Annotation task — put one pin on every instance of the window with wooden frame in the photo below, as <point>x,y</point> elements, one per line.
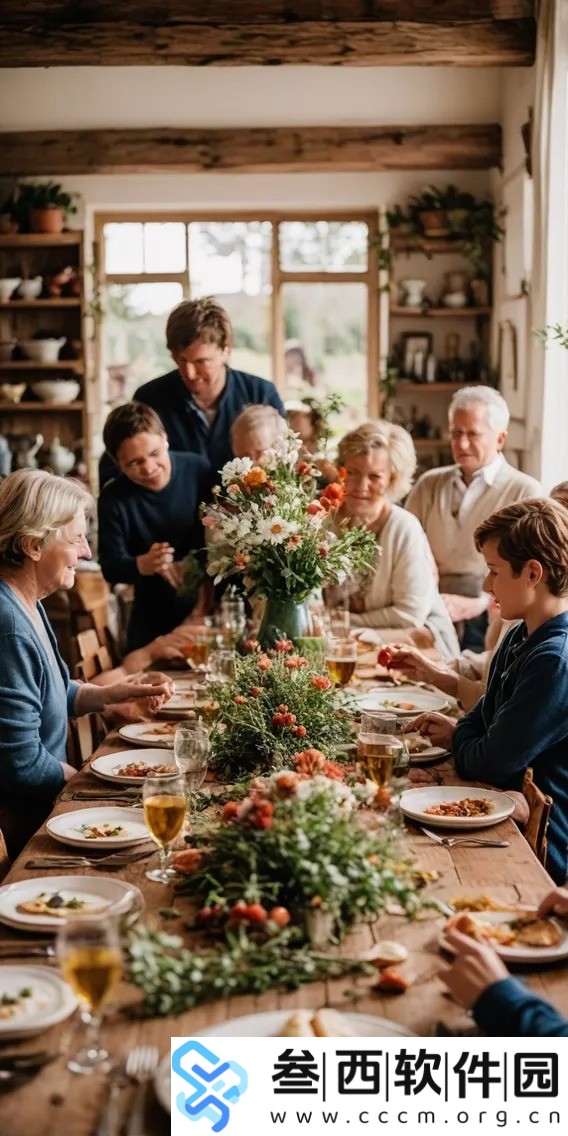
<point>300,289</point>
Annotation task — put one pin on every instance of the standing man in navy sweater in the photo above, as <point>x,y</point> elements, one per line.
<point>199,401</point>
<point>522,719</point>
<point>149,519</point>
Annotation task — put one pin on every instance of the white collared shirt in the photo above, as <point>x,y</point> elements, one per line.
<point>464,497</point>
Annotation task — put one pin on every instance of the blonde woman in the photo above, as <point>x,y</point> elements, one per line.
<point>380,461</point>
<point>42,538</point>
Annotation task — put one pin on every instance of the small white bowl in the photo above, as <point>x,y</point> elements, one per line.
<point>30,289</point>
<point>8,285</point>
<point>42,350</point>
<point>56,390</point>
<point>454,300</point>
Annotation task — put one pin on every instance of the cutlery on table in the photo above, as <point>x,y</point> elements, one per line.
<point>115,860</point>
<point>108,1123</point>
<point>141,1064</point>
<point>32,949</point>
<point>449,841</point>
<point>127,798</point>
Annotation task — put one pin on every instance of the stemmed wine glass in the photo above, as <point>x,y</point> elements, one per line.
<point>191,752</point>
<point>91,962</point>
<point>165,802</point>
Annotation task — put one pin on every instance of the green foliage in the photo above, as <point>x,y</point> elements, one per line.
<point>316,851</point>
<point>552,333</point>
<point>193,577</point>
<point>40,195</point>
<point>175,978</point>
<point>244,739</point>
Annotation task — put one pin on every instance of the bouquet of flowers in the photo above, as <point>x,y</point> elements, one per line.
<point>297,843</point>
<point>276,705</point>
<point>268,524</point>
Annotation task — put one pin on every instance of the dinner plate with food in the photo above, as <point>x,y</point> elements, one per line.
<point>32,999</point>
<point>517,935</point>
<point>406,703</point>
<point>420,751</point>
<point>149,733</point>
<point>45,903</point>
<point>287,1023</point>
<point>128,768</point>
<point>453,806</point>
<point>97,828</point>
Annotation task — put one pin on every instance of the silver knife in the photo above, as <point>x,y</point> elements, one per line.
<point>433,835</point>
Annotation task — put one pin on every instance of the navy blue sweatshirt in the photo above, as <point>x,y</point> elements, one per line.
<point>522,720</point>
<point>509,1009</point>
<point>187,427</point>
<point>131,519</point>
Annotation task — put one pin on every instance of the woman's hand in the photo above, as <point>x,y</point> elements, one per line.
<point>476,968</point>
<point>521,811</point>
<point>555,902</point>
<point>152,686</point>
<point>437,727</point>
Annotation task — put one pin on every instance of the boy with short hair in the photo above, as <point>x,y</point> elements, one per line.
<point>149,519</point>
<point>522,720</point>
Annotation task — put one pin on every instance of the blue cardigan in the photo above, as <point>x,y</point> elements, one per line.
<point>508,1009</point>
<point>522,720</point>
<point>33,713</point>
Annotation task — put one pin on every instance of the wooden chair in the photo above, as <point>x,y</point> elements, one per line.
<point>84,734</point>
<point>540,805</point>
<point>90,657</point>
<point>4,858</point>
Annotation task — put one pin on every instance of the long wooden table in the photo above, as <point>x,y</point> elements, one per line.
<point>61,1102</point>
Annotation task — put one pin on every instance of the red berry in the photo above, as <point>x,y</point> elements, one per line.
<point>300,731</point>
<point>231,810</point>
<point>255,691</point>
<point>239,911</point>
<point>204,915</point>
<point>289,719</point>
<point>279,915</point>
<point>282,708</point>
<point>256,913</point>
<point>277,719</point>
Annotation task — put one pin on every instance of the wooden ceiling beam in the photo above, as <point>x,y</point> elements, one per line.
<point>69,153</point>
<point>52,33</point>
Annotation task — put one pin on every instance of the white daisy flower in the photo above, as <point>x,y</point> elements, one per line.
<point>276,530</point>
<point>235,468</point>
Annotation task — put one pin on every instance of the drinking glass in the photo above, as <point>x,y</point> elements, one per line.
<point>378,755</point>
<point>165,803</point>
<point>222,665</point>
<point>387,722</point>
<point>340,622</point>
<point>91,962</point>
<point>191,751</point>
<point>340,659</point>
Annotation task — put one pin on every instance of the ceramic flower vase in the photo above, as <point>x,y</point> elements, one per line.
<point>283,618</point>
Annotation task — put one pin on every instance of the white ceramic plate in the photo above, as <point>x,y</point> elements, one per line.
<point>394,700</point>
<point>66,827</point>
<point>99,895</point>
<point>105,766</point>
<point>433,753</point>
<point>51,1000</point>
<point>269,1024</point>
<point>148,734</point>
<point>519,953</point>
<point>414,803</point>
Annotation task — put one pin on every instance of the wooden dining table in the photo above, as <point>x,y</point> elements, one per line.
<point>58,1101</point>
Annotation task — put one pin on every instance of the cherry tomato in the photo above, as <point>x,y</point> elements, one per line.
<point>280,916</point>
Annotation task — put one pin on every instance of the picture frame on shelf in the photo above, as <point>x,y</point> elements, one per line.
<point>414,347</point>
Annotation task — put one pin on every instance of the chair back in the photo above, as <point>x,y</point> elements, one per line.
<point>540,805</point>
<point>4,858</point>
<point>91,658</point>
<point>84,735</point>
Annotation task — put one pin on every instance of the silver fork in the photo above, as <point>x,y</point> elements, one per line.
<point>141,1064</point>
<point>449,841</point>
<point>116,860</point>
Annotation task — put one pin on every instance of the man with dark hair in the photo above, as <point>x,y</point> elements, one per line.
<point>199,401</point>
<point>149,519</point>
<point>521,720</point>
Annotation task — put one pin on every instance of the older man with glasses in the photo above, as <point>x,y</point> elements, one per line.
<point>452,501</point>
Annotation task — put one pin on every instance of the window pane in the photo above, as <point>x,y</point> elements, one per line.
<point>164,246</point>
<point>323,246</point>
<point>123,247</point>
<point>133,338</point>
<point>325,344</point>
<point>231,261</point>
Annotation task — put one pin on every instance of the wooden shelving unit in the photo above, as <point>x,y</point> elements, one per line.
<point>45,254</point>
<point>442,313</point>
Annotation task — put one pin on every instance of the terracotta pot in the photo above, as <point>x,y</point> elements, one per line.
<point>47,220</point>
<point>434,220</point>
<point>480,292</point>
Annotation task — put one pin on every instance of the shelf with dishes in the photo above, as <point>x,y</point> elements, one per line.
<point>76,365</point>
<point>40,407</point>
<point>41,240</point>
<point>45,302</point>
<point>469,312</point>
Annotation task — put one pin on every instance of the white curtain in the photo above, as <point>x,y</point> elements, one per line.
<point>547,415</point>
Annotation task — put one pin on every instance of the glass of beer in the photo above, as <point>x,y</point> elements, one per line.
<point>165,802</point>
<point>340,659</point>
<point>387,722</point>
<point>91,962</point>
<point>378,755</point>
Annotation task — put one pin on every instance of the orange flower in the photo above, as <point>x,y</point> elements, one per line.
<point>255,477</point>
<point>233,490</point>
<point>284,645</point>
<point>241,560</point>
<point>239,700</point>
<point>286,782</point>
<point>256,691</point>
<point>294,542</point>
<point>264,663</point>
<point>231,811</point>
<point>333,495</point>
<point>314,508</point>
<point>320,682</point>
<point>309,762</point>
<point>295,662</point>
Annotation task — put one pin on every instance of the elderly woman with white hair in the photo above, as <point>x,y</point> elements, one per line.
<point>452,501</point>
<point>379,461</point>
<point>256,430</point>
<point>42,538</point>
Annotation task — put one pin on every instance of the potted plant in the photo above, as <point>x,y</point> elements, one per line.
<point>400,220</point>
<point>482,230</point>
<point>458,207</point>
<point>42,207</point>
<point>429,210</point>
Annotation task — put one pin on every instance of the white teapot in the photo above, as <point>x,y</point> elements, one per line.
<point>60,458</point>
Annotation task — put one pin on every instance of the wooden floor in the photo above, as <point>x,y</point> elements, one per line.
<point>57,1101</point>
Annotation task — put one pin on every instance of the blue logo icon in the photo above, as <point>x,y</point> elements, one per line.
<point>214,1091</point>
